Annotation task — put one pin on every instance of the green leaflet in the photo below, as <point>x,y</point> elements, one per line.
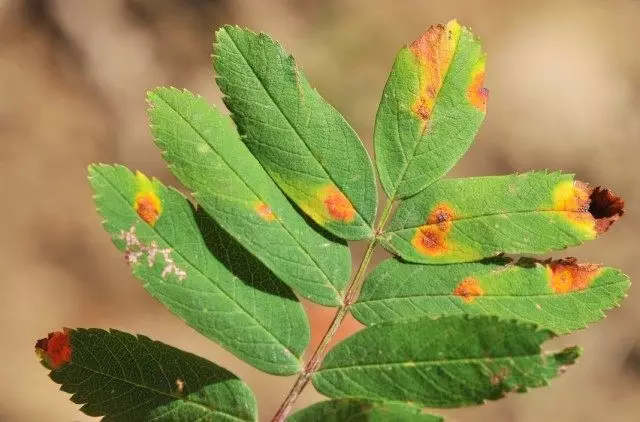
<point>127,378</point>
<point>447,362</point>
<point>205,152</point>
<point>461,220</point>
<point>214,285</point>
<point>431,109</point>
<point>559,295</point>
<point>355,410</point>
<point>305,145</point>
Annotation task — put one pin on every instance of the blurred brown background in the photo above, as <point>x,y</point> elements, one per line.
<point>565,93</point>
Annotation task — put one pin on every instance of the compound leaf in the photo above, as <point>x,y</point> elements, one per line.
<point>133,378</point>
<point>560,295</point>
<point>432,106</point>
<point>306,146</point>
<point>205,152</point>
<point>461,220</point>
<point>448,362</point>
<point>357,410</point>
<point>199,272</point>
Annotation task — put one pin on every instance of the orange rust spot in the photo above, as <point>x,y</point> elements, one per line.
<point>468,289</point>
<point>337,205</point>
<point>567,275</point>
<point>148,207</point>
<point>434,51</point>
<point>442,216</point>
<point>431,239</point>
<point>595,209</point>
<point>478,95</point>
<point>264,211</point>
<point>55,350</point>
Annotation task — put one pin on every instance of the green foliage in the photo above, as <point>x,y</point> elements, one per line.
<point>204,151</point>
<point>526,290</point>
<point>279,186</point>
<point>446,362</point>
<point>356,410</point>
<point>225,293</point>
<point>133,378</point>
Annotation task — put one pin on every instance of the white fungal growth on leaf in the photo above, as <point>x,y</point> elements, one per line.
<point>136,250</point>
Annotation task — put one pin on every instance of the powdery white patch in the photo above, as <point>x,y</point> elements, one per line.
<point>136,250</point>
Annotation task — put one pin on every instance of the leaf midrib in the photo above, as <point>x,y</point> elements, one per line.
<point>295,129</point>
<point>205,276</point>
<point>409,364</point>
<point>475,217</point>
<point>482,297</point>
<point>154,390</point>
<point>310,256</point>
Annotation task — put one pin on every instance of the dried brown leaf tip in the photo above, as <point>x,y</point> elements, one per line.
<point>593,209</point>
<point>567,275</point>
<point>605,207</point>
<point>54,350</point>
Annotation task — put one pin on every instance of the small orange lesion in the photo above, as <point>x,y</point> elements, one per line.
<point>433,51</point>
<point>148,207</point>
<point>146,203</point>
<point>55,350</point>
<point>431,239</point>
<point>567,275</point>
<point>478,95</point>
<point>264,211</point>
<point>337,206</point>
<point>592,209</point>
<point>468,289</point>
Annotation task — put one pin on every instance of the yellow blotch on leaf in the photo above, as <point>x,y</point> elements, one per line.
<point>433,51</point>
<point>468,289</point>
<point>147,203</point>
<point>572,198</point>
<point>478,95</point>
<point>264,211</point>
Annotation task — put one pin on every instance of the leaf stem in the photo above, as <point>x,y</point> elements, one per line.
<point>350,297</point>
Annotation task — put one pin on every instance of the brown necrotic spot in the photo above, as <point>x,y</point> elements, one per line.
<point>605,207</point>
<point>441,216</point>
<point>567,275</point>
<point>468,289</point>
<point>55,349</point>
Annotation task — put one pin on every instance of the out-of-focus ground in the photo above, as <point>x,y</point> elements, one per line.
<point>565,93</point>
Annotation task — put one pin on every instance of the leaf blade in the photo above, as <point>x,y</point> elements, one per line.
<point>205,153</point>
<point>446,362</point>
<point>355,410</point>
<point>462,220</point>
<point>306,146</point>
<point>435,81</point>
<point>219,289</point>
<point>171,380</point>
<point>558,295</point>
